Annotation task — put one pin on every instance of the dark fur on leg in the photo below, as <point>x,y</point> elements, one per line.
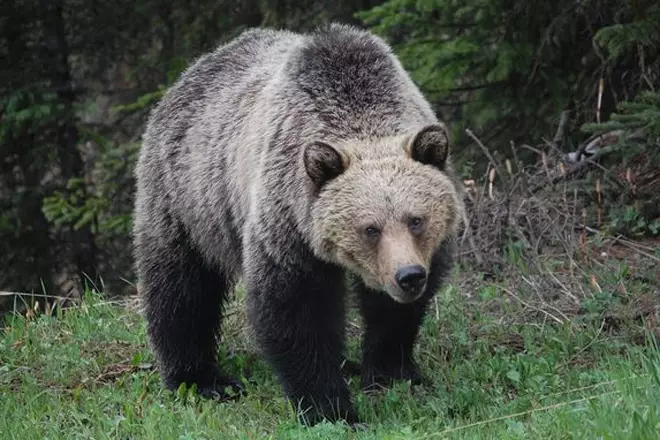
<point>183,303</point>
<point>391,328</point>
<point>298,318</point>
<point>390,333</point>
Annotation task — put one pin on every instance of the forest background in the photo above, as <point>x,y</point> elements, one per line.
<point>560,93</point>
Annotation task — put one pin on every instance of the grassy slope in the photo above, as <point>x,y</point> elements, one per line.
<point>498,371</point>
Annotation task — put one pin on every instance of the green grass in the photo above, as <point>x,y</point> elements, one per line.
<point>498,373</point>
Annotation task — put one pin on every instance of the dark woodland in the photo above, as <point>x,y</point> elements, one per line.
<point>554,104</point>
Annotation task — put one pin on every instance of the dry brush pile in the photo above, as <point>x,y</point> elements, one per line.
<point>541,230</point>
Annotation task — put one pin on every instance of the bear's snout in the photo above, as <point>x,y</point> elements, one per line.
<point>411,279</point>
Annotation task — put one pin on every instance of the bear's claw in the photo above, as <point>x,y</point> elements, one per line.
<point>210,385</point>
<point>223,389</point>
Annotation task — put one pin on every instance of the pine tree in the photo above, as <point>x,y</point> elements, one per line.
<point>509,69</point>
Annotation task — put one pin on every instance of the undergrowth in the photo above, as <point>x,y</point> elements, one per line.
<point>504,362</point>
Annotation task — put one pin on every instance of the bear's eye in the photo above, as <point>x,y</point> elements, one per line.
<point>416,223</point>
<point>371,231</point>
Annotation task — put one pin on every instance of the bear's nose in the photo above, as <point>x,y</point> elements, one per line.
<point>411,278</point>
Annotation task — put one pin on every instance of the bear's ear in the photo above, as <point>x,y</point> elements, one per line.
<point>430,146</point>
<point>323,162</point>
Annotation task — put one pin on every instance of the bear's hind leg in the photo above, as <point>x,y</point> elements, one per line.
<point>183,300</point>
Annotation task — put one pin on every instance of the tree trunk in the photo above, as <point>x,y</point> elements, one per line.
<point>82,249</point>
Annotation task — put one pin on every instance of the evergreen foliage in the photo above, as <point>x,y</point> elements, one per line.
<point>78,79</point>
<point>507,70</point>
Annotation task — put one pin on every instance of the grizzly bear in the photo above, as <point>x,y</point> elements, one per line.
<point>303,165</point>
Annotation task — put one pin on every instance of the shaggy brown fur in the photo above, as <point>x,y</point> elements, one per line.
<point>382,184</point>
<point>292,161</point>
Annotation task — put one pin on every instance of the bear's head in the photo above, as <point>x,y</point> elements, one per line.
<point>381,208</point>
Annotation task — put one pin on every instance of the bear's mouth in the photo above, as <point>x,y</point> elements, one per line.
<point>401,296</point>
<point>392,290</point>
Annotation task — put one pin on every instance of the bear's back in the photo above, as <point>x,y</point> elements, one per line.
<point>356,84</point>
<point>339,82</point>
<point>214,77</point>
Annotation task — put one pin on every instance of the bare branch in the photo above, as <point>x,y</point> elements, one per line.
<point>561,128</point>
<point>496,164</point>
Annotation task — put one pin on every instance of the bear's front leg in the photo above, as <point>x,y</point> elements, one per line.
<point>390,333</point>
<point>391,328</point>
<point>297,314</point>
